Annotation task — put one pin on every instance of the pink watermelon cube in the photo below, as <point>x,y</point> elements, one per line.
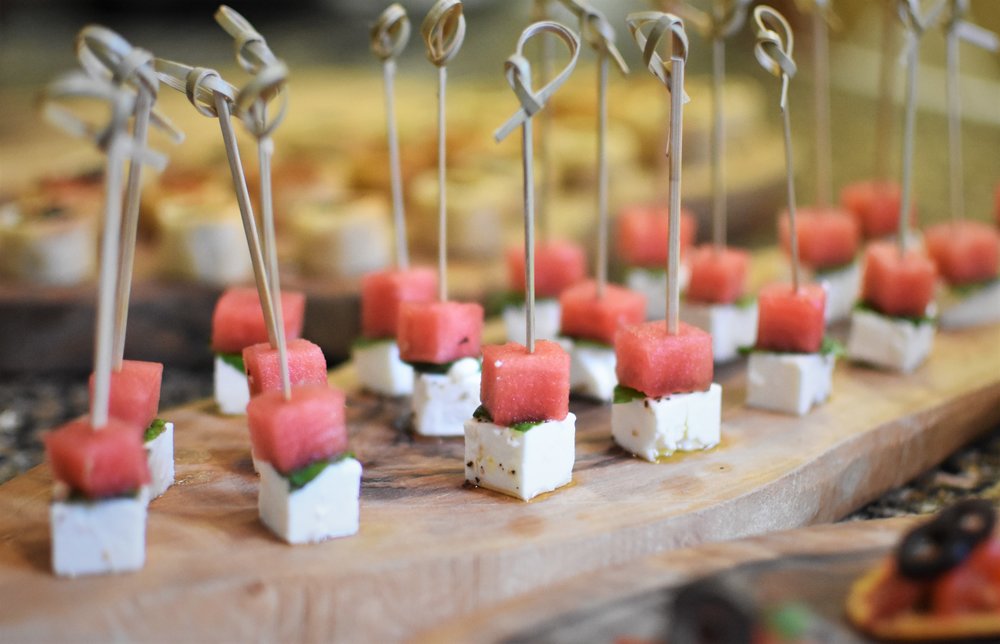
<point>290,434</point>
<point>383,292</point>
<point>238,320</point>
<point>875,206</point>
<point>965,252</point>
<point>718,276</point>
<point>439,332</point>
<point>997,199</point>
<point>789,320</point>
<point>558,264</point>
<point>659,364</point>
<point>135,392</point>
<point>895,285</point>
<point>106,462</point>
<point>587,317</point>
<point>642,233</point>
<point>306,365</point>
<point>519,386</point>
<point>827,238</point>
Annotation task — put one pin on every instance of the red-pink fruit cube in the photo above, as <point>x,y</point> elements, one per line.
<point>519,386</point>
<point>875,205</point>
<point>790,320</point>
<point>827,238</point>
<point>238,319</point>
<point>718,275</point>
<point>383,292</point>
<point>306,365</point>
<point>965,252</point>
<point>895,285</point>
<point>657,363</point>
<point>643,231</point>
<point>558,265</point>
<point>588,317</point>
<point>290,434</point>
<point>439,332</point>
<point>98,463</point>
<point>135,392</point>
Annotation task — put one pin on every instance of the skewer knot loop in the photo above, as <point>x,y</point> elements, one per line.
<point>597,31</point>
<point>199,84</point>
<point>252,52</point>
<point>648,29</point>
<point>773,50</point>
<point>443,31</point>
<point>390,33</point>
<point>251,100</point>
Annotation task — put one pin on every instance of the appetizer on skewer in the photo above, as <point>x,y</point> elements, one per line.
<point>43,241</point>
<point>665,400</point>
<point>967,256</point>
<point>791,365</point>
<point>942,582</point>
<point>875,206</point>
<point>522,440</point>
<point>559,264</point>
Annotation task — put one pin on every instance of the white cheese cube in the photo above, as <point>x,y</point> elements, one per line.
<point>205,247</point>
<point>380,370</point>
<point>652,428</point>
<point>60,251</point>
<point>731,326</point>
<point>790,383</point>
<point>442,402</point>
<point>980,307</point>
<point>344,239</point>
<point>232,393</point>
<point>521,464</point>
<point>591,369</point>
<point>887,342</point>
<point>547,320</point>
<point>98,537</point>
<point>842,287</point>
<point>160,457</point>
<point>324,508</point>
<point>653,284</point>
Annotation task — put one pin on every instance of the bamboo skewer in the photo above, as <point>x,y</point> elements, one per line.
<point>540,13</point>
<point>821,94</point>
<point>518,73</point>
<point>443,31</point>
<point>774,53</point>
<point>389,36</point>
<point>887,83</point>
<point>648,28</point>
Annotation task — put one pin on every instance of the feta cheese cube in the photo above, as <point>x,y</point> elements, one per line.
<point>98,537</point>
<point>547,320</point>
<point>887,342</point>
<point>326,507</point>
<point>442,402</point>
<point>842,287</point>
<point>232,393</point>
<point>160,456</point>
<point>790,383</point>
<point>652,428</point>
<point>653,284</point>
<point>982,306</point>
<point>591,369</point>
<point>520,464</point>
<point>730,325</point>
<point>380,370</point>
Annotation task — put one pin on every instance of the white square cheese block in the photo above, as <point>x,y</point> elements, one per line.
<point>325,508</point>
<point>730,325</point>
<point>591,369</point>
<point>342,240</point>
<point>547,320</point>
<point>980,307</point>
<point>521,464</point>
<point>652,283</point>
<point>790,383</point>
<point>207,249</point>
<point>842,287</point>
<point>160,457</point>
<point>442,402</point>
<point>887,342</point>
<point>380,370</point>
<point>232,393</point>
<point>98,537</point>
<point>652,428</point>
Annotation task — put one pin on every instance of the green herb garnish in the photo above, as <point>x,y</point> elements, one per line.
<point>829,346</point>
<point>820,272</point>
<point>625,394</point>
<point>965,290</point>
<point>155,428</point>
<point>745,302</point>
<point>234,360</point>
<point>526,425</point>
<point>789,621</point>
<point>364,343</point>
<point>912,319</point>
<point>298,479</point>
<point>76,496</point>
<point>435,368</point>
<point>482,414</point>
<point>587,343</point>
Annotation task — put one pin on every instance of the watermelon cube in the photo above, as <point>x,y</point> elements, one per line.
<point>439,332</point>
<point>651,360</point>
<point>718,276</point>
<point>587,317</point>
<point>791,321</point>
<point>98,463</point>
<point>306,365</point>
<point>642,233</point>
<point>290,434</point>
<point>894,285</point>
<point>518,386</point>
<point>558,264</point>
<point>135,392</point>
<point>383,292</point>
<point>827,238</point>
<point>997,199</point>
<point>965,252</point>
<point>875,206</point>
<point>238,320</point>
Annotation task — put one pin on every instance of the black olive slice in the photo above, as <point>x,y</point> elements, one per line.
<point>705,612</point>
<point>932,549</point>
<point>973,519</point>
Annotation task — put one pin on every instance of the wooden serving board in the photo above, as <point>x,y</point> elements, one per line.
<point>431,548</point>
<point>814,566</point>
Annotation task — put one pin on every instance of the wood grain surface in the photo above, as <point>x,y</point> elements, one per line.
<point>431,548</point>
